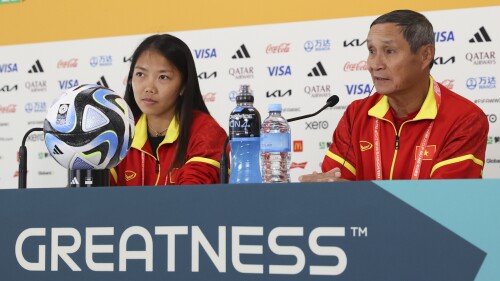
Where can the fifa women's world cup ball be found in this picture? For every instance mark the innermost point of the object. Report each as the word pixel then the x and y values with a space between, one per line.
pixel 89 127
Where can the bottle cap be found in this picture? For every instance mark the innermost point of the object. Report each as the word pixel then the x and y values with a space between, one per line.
pixel 274 107
pixel 245 94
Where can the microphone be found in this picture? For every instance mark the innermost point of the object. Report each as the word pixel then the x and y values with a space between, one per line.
pixel 332 101
pixel 23 161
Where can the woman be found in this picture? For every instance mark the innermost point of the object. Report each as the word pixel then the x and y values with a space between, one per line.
pixel 176 140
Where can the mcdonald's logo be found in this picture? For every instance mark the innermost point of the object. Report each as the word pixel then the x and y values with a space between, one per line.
pixel 298 146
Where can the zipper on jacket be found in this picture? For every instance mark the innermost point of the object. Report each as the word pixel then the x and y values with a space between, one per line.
pixel 157 167
pixel 396 143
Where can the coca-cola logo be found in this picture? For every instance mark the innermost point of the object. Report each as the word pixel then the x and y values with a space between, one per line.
pixel 360 66
pixel 209 97
pixel 11 108
pixel 275 49
pixel 71 63
pixel 448 83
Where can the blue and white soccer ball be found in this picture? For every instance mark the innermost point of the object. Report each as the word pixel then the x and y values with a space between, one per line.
pixel 89 127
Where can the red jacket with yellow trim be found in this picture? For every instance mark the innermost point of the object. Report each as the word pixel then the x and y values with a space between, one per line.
pixel 202 165
pixel 456 147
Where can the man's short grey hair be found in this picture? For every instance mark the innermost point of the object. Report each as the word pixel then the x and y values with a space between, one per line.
pixel 417 29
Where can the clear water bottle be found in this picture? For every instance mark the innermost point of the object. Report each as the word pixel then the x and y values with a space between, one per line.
pixel 244 134
pixel 275 143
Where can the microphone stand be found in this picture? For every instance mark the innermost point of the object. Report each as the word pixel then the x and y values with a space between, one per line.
pixel 23 161
pixel 224 176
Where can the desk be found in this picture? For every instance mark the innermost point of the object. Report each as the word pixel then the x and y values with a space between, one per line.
pixel 385 230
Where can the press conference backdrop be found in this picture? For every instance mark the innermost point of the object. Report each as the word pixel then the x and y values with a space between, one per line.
pixel 297 64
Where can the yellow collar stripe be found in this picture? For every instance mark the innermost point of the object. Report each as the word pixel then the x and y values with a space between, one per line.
pixel 141 132
pixel 427 111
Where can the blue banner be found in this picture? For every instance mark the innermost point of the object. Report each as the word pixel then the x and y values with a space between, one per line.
pixel 400 230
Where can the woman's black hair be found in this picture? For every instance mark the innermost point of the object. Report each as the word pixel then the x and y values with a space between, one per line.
pixel 179 54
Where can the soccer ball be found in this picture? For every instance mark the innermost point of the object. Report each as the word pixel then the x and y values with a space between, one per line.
pixel 89 127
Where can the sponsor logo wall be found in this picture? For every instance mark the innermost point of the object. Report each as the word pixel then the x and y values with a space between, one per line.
pixel 298 69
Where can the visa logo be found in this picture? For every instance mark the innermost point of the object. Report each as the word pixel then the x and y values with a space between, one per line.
pixel 205 53
pixel 67 84
pixel 358 89
pixel 281 70
pixel 444 36
pixel 8 67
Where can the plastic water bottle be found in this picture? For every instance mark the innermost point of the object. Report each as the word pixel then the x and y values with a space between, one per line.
pixel 275 143
pixel 244 133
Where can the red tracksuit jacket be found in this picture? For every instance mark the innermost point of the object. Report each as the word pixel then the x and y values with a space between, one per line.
pixel 455 149
pixel 140 167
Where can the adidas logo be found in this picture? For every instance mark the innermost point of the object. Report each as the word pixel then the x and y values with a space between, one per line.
pixel 57 150
pixel 102 82
pixel 37 67
pixel 318 70
pixel 480 36
pixel 241 53
pixel 75 181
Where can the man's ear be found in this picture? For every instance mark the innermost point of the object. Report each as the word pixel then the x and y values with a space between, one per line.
pixel 427 53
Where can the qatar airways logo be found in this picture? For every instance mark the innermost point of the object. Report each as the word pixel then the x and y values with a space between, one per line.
pixel 244 72
pixel 277 49
pixel 318 91
pixel 36 86
pixel 358 66
pixel 232 243
pixel 481 58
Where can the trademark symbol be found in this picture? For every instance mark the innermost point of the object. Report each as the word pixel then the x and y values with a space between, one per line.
pixel 358 231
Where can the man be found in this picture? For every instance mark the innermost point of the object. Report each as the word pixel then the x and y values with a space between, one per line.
pixel 412 127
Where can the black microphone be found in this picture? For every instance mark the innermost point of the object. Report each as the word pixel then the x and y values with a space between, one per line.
pixel 23 161
pixel 332 101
